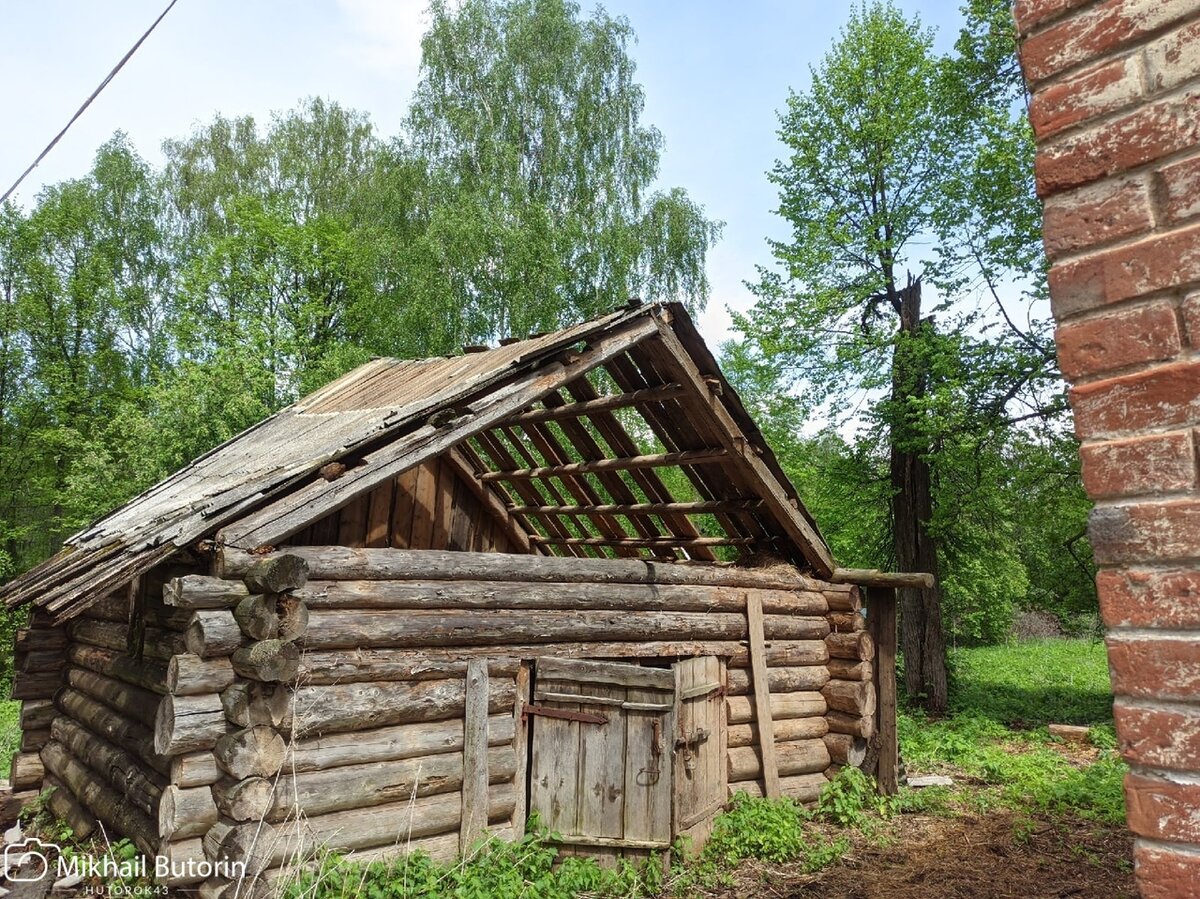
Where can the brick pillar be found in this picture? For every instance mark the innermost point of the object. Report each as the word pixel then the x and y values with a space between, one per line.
pixel 1116 110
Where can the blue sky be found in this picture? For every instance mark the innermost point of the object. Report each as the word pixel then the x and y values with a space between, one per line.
pixel 715 72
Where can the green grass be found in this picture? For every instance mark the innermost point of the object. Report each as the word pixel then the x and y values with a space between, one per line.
pixel 10 733
pixel 995 736
pixel 1033 683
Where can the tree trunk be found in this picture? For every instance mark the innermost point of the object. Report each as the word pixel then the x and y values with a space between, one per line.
pixel 912 508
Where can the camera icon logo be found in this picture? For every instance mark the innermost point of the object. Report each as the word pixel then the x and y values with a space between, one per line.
pixel 27 860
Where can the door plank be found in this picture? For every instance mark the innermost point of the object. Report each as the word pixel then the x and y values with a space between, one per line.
pixel 475 754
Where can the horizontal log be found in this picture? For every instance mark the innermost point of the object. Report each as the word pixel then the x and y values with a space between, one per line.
pixel 850 669
pixel 245 800
pixel 189 675
pixel 199 591
pixel 194 769
pixel 376 630
pixel 36 662
pixel 698 507
pixel 252 752
pixel 650 460
pixel 277 573
pixel 873 577
pixel 844 599
pixel 188 724
pixel 134 737
pixel 740 709
pixel 212 633
pixel 184 813
pixel 779 680
pixel 99 798
pixel 362 594
pixel 182 859
pixel 377 783
pixel 341 666
pixel 248 703
pixel 255 615
pixel 40 639
pixel 25 771
pixel 801 787
pixel 125 773
pixel 65 807
pixel 796 757
pixel 357 707
pixel 37 714
pixel 841 723
pixel 293 617
pixel 36 685
pixel 338 563
pixel 158 645
pixel 12 804
pixel 171 618
pixel 858 645
pixel 383 744
pixel 641 542
pixel 119 665
pixel 272 661
pixel 377 826
pixel 33 740
pixel 786 729
pixel 842 622
pixel 853 697
pixel 846 749
pixel 114 607
pixel 132 702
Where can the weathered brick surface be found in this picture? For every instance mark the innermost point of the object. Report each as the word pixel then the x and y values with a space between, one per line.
pixel 1165 531
pixel 1150 597
pixel 1151 667
pixel 1141 465
pixel 1166 873
pixel 1032 13
pixel 1095 345
pixel 1180 189
pixel 1174 58
pixel 1161 808
pixel 1191 319
pixel 1164 397
pixel 1095 91
pixel 1097 31
pixel 1165 737
pixel 1097 214
pixel 1143 135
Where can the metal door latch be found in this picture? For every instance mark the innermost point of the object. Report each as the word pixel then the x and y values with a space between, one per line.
pixel 689 743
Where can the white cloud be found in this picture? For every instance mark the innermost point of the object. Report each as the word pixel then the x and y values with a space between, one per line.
pixel 385 35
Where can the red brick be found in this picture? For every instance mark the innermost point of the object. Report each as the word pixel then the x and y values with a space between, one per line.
pixel 1159 737
pixel 1094 345
pixel 1096 32
pixel 1163 397
pixel 1096 214
pixel 1031 13
pixel 1102 88
pixel 1162 809
pixel 1122 273
pixel 1161 463
pixel 1145 532
pixel 1180 189
pixel 1191 319
pixel 1164 873
pixel 1147 133
pixel 1150 597
pixel 1174 58
pixel 1162 667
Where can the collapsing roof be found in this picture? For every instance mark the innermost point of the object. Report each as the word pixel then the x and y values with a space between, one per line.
pixel 618 436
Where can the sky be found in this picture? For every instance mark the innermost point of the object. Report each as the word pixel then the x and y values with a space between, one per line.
pixel 715 74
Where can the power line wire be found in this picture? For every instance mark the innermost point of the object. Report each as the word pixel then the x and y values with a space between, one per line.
pixel 88 101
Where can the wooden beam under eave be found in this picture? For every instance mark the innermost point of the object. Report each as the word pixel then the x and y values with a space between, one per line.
pixel 741 451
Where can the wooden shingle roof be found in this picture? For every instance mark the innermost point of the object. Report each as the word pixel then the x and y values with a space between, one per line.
pixel 598 410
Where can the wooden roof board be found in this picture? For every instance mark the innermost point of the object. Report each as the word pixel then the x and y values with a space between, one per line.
pixel 360 415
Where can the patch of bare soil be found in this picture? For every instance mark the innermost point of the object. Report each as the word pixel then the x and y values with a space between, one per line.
pixel 995 855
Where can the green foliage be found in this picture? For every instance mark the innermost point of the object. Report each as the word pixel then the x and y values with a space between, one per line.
pixel 10 733
pixel 852 798
pixel 767 829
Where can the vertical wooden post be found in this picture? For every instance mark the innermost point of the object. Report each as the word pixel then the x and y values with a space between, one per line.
pixel 881 617
pixel 475 753
pixel 762 697
pixel 521 752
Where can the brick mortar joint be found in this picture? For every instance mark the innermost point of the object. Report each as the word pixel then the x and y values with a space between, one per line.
pixel 1158 231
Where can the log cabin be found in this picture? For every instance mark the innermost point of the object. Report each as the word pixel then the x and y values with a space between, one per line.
pixel 565 575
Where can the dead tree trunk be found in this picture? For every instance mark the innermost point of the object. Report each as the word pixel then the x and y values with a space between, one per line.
pixel 912 508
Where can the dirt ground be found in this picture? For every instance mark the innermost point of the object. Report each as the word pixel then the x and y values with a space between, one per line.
pixel 990 856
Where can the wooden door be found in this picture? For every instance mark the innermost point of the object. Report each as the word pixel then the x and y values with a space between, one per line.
pixel 600 765
pixel 700 744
